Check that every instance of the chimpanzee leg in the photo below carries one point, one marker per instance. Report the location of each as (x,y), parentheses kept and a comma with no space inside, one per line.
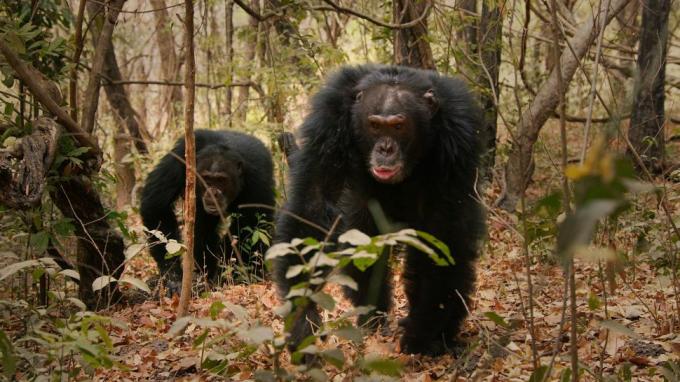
(374,288)
(436,309)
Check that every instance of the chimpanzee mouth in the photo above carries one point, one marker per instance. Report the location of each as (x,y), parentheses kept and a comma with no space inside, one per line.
(212,210)
(385,173)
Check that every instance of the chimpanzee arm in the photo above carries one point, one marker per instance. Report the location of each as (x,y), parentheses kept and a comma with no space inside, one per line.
(317,179)
(319,167)
(163,186)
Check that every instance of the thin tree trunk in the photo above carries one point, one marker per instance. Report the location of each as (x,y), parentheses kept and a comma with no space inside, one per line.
(647,121)
(519,168)
(171,97)
(242,93)
(190,161)
(411,47)
(101,47)
(229,54)
(490,44)
(78,49)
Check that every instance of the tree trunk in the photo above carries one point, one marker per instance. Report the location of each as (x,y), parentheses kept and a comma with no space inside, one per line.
(102,46)
(519,168)
(490,43)
(411,47)
(100,248)
(190,162)
(242,93)
(647,121)
(229,53)
(170,65)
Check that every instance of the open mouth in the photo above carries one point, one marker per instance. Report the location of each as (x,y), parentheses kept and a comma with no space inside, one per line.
(384,173)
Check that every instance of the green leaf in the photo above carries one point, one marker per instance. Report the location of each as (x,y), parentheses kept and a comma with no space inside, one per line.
(279,250)
(239,312)
(78,151)
(593,302)
(16,267)
(133,250)
(257,335)
(334,356)
(39,241)
(351,333)
(317,375)
(384,366)
(200,339)
(215,309)
(344,280)
(71,273)
(9,360)
(324,300)
(137,283)
(498,320)
(539,374)
(440,245)
(579,227)
(354,237)
(172,246)
(179,325)
(294,270)
(102,281)
(78,303)
(619,328)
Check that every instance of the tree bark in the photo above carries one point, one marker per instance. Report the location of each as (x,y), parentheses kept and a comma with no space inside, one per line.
(101,47)
(242,93)
(647,121)
(190,161)
(519,168)
(169,63)
(78,49)
(48,95)
(229,53)
(411,47)
(490,44)
(100,247)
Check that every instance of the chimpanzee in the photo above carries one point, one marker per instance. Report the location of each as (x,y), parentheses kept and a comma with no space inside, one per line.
(232,169)
(408,139)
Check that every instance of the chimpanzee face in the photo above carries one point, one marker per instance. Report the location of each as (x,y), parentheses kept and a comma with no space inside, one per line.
(222,172)
(392,124)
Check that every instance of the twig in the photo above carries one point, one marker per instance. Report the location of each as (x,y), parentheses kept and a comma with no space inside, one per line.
(375,21)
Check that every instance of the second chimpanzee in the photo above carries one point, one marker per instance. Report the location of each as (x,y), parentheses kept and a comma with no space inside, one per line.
(408,139)
(232,169)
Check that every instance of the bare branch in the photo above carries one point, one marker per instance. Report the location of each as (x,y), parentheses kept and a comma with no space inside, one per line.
(375,21)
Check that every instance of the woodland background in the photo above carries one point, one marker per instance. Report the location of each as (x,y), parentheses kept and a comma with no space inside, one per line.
(579,273)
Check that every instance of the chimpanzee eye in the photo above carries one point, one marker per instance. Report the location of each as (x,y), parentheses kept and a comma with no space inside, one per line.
(398,127)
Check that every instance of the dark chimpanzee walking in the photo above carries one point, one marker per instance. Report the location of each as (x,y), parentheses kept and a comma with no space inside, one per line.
(232,169)
(408,139)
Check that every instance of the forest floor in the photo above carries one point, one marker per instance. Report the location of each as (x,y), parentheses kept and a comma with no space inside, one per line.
(627,322)
(637,307)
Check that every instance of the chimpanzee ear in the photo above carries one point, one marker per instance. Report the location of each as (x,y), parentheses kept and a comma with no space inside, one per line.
(431,100)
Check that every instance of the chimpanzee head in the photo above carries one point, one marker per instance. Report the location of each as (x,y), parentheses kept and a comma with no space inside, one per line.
(392,123)
(222,171)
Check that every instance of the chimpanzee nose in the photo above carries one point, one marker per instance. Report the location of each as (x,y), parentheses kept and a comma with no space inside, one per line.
(386,148)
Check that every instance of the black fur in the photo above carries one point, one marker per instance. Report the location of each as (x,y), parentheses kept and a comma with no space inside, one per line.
(165,184)
(329,177)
